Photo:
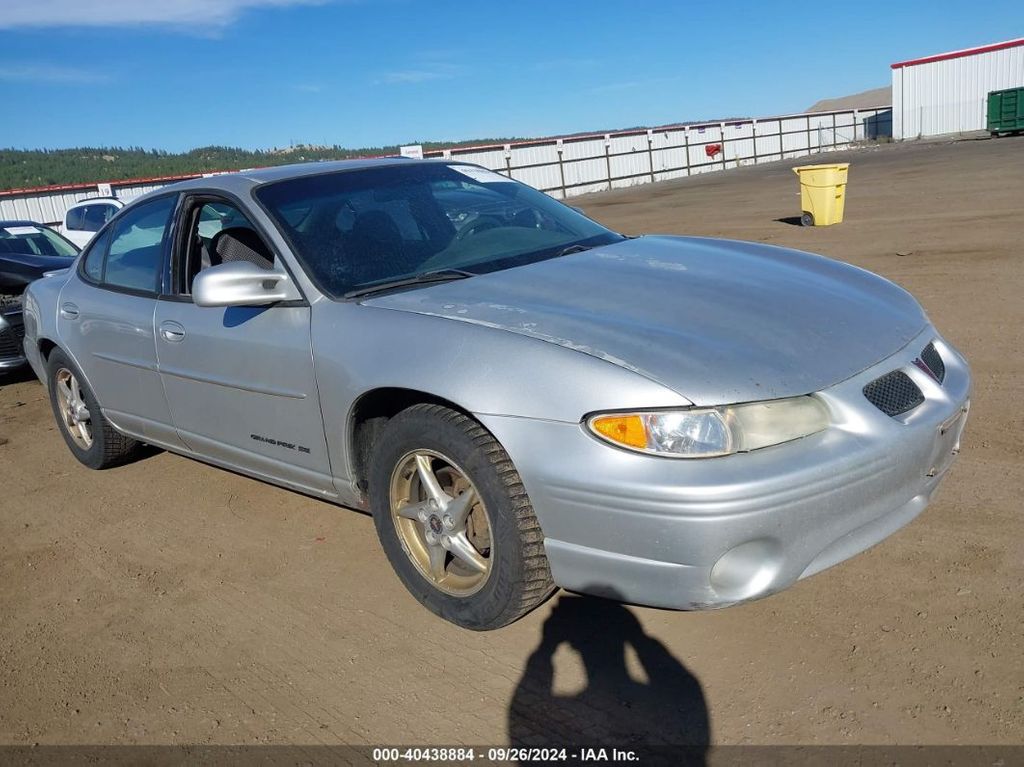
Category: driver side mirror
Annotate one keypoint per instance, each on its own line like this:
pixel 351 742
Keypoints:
pixel 240 283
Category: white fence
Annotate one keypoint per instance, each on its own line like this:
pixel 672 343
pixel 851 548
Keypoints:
pixel 569 166
pixel 573 165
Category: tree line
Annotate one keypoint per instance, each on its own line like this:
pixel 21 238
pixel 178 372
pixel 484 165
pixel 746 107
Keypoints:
pixel 21 168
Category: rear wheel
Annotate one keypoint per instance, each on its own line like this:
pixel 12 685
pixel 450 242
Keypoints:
pixel 89 436
pixel 807 219
pixel 454 519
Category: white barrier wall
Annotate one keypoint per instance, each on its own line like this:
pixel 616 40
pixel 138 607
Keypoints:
pixel 570 166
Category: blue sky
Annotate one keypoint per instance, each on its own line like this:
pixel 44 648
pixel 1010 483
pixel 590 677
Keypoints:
pixel 176 74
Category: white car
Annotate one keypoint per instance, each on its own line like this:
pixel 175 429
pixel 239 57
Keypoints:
pixel 86 217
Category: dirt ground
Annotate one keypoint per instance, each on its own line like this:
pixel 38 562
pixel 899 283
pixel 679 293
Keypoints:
pixel 171 602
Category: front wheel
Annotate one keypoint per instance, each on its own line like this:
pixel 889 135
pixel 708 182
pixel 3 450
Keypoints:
pixel 454 519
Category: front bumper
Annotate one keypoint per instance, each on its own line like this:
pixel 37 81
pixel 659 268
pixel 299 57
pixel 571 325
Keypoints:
pixel 694 534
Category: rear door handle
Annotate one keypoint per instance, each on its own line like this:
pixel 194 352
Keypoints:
pixel 172 331
pixel 69 311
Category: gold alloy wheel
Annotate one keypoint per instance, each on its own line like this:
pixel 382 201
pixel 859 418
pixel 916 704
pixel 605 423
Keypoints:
pixel 73 410
pixel 442 522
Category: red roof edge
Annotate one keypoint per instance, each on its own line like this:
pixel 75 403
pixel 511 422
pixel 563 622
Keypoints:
pixel 81 185
pixel 960 54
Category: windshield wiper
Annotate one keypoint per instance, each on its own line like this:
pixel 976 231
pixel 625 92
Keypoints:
pixel 577 248
pixel 423 278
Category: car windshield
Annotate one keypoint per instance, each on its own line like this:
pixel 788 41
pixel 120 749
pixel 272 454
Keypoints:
pixel 29 239
pixel 356 229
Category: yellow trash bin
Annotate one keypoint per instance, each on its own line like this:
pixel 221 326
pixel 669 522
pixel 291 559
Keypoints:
pixel 822 193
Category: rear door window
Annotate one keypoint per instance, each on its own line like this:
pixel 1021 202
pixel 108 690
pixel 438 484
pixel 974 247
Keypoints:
pixel 134 259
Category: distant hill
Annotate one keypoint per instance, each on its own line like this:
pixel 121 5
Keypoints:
pixel 28 168
pixel 873 98
pixel 20 168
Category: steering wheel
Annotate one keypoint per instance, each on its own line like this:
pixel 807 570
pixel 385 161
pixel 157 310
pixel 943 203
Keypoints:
pixel 528 218
pixel 480 225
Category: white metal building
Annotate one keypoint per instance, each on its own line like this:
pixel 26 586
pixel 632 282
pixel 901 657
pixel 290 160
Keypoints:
pixel 947 92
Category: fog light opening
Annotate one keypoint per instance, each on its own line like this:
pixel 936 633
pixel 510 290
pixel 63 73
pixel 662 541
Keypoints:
pixel 747 570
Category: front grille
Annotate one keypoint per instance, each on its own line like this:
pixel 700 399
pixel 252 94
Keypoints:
pixel 11 337
pixel 930 357
pixel 10 345
pixel 894 393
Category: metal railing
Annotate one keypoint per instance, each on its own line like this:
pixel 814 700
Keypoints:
pixel 567 166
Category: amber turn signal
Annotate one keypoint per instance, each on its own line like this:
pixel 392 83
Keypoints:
pixel 624 429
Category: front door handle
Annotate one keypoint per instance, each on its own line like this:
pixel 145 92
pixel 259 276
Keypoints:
pixel 172 331
pixel 69 311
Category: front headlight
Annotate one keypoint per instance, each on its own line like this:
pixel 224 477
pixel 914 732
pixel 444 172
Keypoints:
pixel 710 432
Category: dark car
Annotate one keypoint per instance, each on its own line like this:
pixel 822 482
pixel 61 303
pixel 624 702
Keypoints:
pixel 27 251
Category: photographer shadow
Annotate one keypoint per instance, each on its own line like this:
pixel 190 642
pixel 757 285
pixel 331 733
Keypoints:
pixel 614 709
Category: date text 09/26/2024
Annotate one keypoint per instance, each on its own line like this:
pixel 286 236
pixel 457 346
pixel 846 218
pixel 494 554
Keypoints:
pixel 503 754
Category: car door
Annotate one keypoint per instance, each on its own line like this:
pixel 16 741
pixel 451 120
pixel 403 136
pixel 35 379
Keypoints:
pixel 105 319
pixel 239 380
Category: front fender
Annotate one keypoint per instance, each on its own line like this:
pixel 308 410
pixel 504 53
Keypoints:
pixel 485 371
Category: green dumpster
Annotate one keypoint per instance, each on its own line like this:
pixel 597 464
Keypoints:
pixel 1006 111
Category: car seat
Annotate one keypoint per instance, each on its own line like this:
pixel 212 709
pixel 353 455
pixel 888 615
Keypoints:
pixel 238 243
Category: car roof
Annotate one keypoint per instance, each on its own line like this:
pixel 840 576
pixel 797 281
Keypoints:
pixel 88 200
pixel 280 172
pixel 242 179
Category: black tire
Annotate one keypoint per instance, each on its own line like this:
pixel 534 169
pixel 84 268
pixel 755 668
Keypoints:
pixel 806 219
pixel 109 447
pixel 519 577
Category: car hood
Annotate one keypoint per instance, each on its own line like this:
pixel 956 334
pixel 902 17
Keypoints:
pixel 32 261
pixel 717 321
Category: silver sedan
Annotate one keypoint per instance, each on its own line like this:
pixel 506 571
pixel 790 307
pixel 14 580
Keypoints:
pixel 522 398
